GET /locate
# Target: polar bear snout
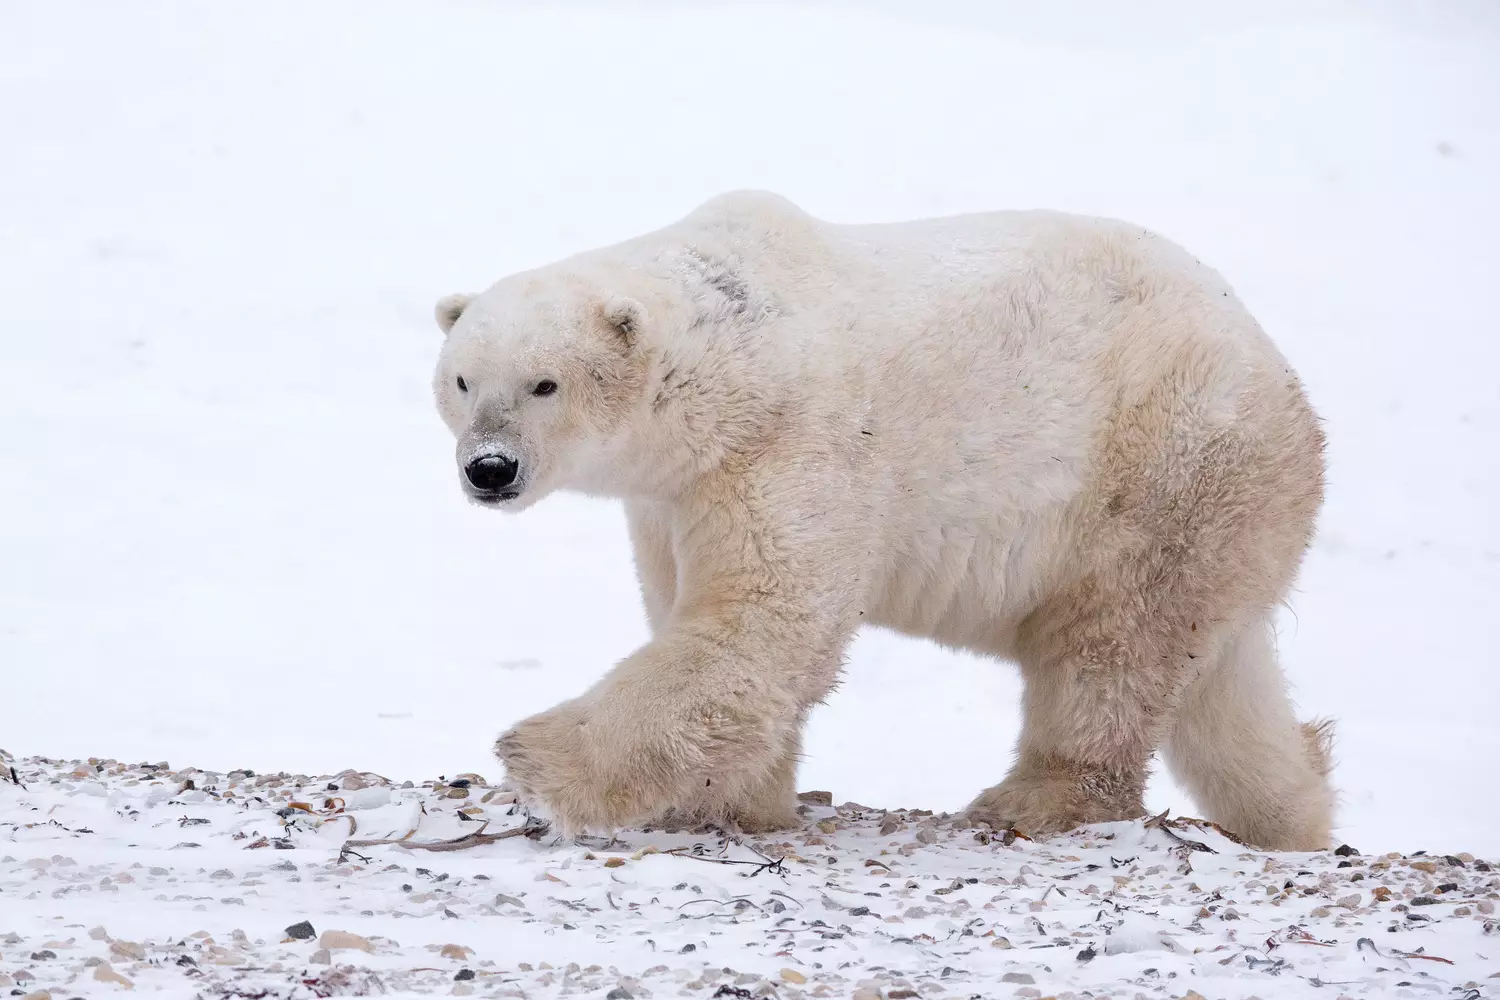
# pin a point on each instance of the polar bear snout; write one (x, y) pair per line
(492, 477)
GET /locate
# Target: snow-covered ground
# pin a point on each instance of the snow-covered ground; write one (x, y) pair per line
(236, 885)
(229, 530)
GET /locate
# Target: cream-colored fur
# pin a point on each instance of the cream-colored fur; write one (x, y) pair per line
(1056, 440)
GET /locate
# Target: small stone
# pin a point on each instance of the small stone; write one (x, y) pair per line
(616, 862)
(456, 951)
(463, 974)
(1430, 867)
(902, 994)
(38, 995)
(1462, 911)
(1022, 978)
(301, 931)
(1345, 851)
(99, 934)
(890, 826)
(104, 974)
(926, 835)
(462, 990)
(815, 798)
(321, 957)
(793, 976)
(619, 993)
(43, 956)
(457, 793)
(1351, 901)
(501, 899)
(1485, 906)
(334, 940)
(828, 826)
(127, 949)
(1001, 942)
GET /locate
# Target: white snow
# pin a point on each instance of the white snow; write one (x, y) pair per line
(190, 883)
(230, 534)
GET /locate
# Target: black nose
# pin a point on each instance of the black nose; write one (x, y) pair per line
(491, 473)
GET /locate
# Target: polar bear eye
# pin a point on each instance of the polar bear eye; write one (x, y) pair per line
(462, 385)
(545, 387)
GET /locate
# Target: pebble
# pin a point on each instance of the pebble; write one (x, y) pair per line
(321, 957)
(927, 835)
(334, 940)
(1020, 978)
(127, 949)
(104, 974)
(815, 798)
(456, 951)
(38, 995)
(793, 976)
(619, 993)
(302, 931)
(372, 797)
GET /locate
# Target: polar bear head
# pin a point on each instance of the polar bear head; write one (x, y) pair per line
(623, 371)
(539, 381)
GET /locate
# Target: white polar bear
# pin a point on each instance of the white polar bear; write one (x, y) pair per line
(1057, 440)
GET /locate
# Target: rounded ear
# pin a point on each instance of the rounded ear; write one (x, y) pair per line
(449, 308)
(625, 315)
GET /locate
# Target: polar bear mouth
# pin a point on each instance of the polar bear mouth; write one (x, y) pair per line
(494, 499)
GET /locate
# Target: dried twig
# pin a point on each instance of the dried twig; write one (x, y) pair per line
(775, 866)
(475, 839)
(1160, 823)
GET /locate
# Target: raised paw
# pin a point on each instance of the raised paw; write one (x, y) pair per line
(597, 766)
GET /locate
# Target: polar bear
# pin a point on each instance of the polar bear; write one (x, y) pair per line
(1055, 440)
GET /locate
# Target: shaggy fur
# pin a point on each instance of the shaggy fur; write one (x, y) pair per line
(1056, 440)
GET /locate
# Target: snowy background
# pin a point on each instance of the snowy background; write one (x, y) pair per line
(230, 532)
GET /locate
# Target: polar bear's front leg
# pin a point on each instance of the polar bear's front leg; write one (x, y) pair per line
(705, 719)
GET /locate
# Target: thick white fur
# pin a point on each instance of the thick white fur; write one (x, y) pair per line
(1056, 440)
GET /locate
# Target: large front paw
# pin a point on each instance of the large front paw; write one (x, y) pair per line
(1044, 805)
(597, 766)
(564, 764)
